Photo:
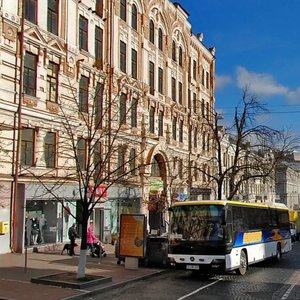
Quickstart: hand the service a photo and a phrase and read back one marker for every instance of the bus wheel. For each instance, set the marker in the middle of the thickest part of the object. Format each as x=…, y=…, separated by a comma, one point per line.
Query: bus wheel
x=278, y=253
x=243, y=264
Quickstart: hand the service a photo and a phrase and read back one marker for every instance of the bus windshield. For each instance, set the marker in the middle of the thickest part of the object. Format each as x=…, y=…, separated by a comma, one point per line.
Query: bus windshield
x=197, y=222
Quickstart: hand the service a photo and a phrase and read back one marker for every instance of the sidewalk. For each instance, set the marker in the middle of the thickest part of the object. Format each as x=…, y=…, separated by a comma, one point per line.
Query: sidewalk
x=15, y=276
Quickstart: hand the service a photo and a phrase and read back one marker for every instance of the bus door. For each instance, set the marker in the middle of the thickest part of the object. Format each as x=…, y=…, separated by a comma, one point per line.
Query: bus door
x=228, y=224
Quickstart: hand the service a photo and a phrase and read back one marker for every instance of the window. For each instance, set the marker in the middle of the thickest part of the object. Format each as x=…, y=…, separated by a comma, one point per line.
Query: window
x=30, y=10
x=194, y=103
x=180, y=169
x=190, y=136
x=203, y=108
x=174, y=51
x=123, y=9
x=207, y=111
x=83, y=33
x=189, y=99
x=83, y=94
x=151, y=32
x=52, y=82
x=81, y=154
x=99, y=8
x=50, y=149
x=134, y=107
x=52, y=16
x=122, y=56
x=132, y=164
x=174, y=128
x=27, y=146
x=98, y=103
x=180, y=57
x=194, y=69
x=99, y=46
x=173, y=89
x=151, y=119
x=161, y=123
x=121, y=160
x=29, y=78
x=203, y=76
x=204, y=141
x=134, y=63
x=180, y=92
x=123, y=98
x=207, y=80
x=180, y=131
x=151, y=77
x=97, y=159
x=160, y=80
x=134, y=19
x=160, y=39
x=195, y=138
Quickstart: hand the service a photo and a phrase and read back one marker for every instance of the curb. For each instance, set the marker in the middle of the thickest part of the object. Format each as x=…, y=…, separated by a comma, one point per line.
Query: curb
x=115, y=286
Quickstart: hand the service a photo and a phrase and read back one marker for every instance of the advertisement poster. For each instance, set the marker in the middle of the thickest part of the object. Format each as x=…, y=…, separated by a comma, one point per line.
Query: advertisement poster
x=132, y=235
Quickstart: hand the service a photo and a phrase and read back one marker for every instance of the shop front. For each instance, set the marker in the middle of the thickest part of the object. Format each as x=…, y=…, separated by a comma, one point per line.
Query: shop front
x=48, y=219
x=121, y=200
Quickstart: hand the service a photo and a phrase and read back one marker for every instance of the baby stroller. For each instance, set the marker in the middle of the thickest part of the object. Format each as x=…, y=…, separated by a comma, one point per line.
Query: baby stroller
x=97, y=249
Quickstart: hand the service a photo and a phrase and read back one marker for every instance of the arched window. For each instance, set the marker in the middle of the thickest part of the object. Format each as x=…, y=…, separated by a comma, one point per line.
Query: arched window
x=174, y=51
x=180, y=57
x=151, y=32
x=134, y=17
x=155, y=171
x=160, y=39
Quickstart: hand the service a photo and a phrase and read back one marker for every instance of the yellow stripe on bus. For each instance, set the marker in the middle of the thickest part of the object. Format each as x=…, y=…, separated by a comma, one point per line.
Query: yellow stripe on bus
x=252, y=237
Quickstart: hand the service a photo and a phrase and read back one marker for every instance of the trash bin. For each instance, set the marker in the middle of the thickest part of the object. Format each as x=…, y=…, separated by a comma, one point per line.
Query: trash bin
x=156, y=251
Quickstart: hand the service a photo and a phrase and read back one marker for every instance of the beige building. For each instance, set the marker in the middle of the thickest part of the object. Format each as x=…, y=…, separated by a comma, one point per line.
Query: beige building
x=144, y=60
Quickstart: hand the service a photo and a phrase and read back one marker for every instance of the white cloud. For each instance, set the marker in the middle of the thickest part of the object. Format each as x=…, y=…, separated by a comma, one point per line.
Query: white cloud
x=260, y=83
x=222, y=80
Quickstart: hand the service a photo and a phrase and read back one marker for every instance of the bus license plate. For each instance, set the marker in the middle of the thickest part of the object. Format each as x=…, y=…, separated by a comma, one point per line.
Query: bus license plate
x=192, y=267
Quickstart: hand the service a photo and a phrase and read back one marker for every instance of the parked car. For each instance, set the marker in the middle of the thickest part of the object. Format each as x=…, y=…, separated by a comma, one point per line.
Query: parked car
x=293, y=231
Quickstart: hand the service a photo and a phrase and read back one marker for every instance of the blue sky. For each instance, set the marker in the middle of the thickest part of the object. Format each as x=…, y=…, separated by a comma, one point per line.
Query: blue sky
x=257, y=44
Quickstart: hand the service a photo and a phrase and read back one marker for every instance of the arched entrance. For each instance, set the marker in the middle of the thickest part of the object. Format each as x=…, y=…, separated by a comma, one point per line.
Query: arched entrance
x=157, y=195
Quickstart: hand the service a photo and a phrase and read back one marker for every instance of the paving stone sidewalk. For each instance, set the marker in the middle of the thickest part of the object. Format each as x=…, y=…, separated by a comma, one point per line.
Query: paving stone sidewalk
x=16, y=271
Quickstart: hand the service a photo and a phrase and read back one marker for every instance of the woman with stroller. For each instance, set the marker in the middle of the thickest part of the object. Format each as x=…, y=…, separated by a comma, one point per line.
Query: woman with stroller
x=91, y=238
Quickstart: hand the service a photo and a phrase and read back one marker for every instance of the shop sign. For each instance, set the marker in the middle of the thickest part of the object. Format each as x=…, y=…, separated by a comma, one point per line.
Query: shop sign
x=156, y=185
x=200, y=191
x=101, y=191
x=179, y=197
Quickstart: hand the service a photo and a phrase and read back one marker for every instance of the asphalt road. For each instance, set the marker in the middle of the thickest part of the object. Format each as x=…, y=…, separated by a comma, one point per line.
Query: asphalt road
x=267, y=280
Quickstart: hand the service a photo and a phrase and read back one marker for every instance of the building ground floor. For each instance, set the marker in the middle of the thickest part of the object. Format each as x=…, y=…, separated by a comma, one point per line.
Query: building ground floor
x=37, y=218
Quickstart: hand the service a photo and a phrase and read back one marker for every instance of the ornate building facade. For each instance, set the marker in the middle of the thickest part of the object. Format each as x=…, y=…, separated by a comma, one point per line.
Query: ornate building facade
x=156, y=81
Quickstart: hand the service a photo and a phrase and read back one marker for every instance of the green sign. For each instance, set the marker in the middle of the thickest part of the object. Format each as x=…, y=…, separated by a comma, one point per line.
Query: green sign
x=156, y=185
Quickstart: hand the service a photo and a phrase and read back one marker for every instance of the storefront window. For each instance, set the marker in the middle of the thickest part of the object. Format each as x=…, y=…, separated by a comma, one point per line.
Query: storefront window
x=47, y=221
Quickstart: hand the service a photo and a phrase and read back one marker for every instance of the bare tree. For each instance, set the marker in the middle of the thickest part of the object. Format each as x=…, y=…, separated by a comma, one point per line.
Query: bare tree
x=255, y=149
x=95, y=149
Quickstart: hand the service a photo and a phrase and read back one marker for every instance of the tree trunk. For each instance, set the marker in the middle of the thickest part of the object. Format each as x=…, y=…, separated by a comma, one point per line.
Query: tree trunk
x=83, y=245
x=82, y=263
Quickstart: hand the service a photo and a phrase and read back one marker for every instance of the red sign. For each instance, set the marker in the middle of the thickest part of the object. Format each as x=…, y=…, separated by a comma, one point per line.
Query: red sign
x=101, y=191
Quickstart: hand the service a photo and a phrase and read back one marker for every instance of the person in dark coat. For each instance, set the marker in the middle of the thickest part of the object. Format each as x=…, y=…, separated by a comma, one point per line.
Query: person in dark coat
x=72, y=236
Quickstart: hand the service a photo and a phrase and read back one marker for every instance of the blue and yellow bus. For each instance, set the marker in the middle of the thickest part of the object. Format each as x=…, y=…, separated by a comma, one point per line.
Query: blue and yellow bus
x=226, y=235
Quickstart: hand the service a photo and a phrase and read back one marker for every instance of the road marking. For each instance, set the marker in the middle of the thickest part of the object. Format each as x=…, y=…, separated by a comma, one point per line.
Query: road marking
x=196, y=291
x=294, y=280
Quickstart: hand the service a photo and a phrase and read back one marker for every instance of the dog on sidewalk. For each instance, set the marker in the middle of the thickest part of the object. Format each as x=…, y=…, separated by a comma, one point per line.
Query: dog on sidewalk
x=67, y=247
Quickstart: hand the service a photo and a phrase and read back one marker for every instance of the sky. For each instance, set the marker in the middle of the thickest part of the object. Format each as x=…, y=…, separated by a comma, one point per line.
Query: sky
x=257, y=45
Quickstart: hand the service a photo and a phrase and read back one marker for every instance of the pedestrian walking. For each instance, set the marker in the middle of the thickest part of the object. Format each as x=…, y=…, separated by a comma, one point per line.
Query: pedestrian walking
x=72, y=236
